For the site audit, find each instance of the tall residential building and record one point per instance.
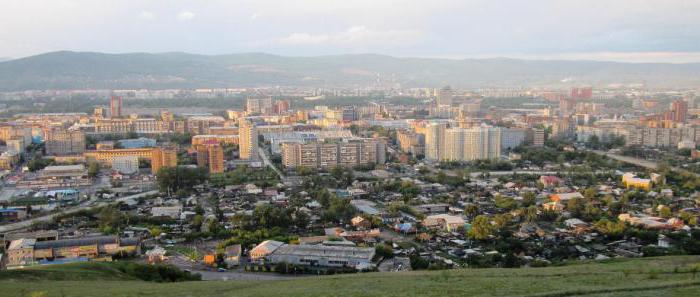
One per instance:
(477, 143)
(258, 105)
(535, 137)
(60, 141)
(98, 112)
(680, 110)
(163, 157)
(166, 116)
(347, 153)
(444, 96)
(512, 138)
(411, 142)
(248, 140)
(434, 140)
(281, 106)
(115, 106)
(211, 155)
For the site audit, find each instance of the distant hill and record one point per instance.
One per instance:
(663, 276)
(87, 70)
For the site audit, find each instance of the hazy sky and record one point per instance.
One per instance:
(623, 30)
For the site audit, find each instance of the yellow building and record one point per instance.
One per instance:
(159, 157)
(629, 180)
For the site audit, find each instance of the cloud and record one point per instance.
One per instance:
(254, 16)
(185, 16)
(147, 15)
(355, 36)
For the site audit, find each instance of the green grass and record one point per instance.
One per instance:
(663, 276)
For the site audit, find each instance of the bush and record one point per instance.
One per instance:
(157, 273)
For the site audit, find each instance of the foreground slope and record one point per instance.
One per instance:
(665, 276)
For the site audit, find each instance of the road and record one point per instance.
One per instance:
(47, 218)
(267, 162)
(638, 162)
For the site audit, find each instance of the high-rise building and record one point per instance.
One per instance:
(512, 138)
(211, 155)
(281, 106)
(680, 110)
(477, 143)
(258, 105)
(434, 140)
(99, 112)
(166, 116)
(115, 106)
(60, 141)
(535, 137)
(581, 93)
(247, 140)
(163, 157)
(411, 142)
(444, 96)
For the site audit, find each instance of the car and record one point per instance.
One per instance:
(221, 270)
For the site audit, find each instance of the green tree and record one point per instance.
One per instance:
(93, 169)
(481, 228)
(529, 199)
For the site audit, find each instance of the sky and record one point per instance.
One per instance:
(611, 30)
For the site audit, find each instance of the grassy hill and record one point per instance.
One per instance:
(664, 276)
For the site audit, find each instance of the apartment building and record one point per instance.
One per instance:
(61, 141)
(347, 153)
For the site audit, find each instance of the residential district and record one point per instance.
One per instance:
(294, 182)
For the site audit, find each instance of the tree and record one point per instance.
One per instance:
(665, 211)
(471, 210)
(529, 199)
(301, 219)
(531, 213)
(93, 169)
(481, 228)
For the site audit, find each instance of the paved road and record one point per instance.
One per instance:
(639, 162)
(267, 162)
(47, 218)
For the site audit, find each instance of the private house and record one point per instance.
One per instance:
(445, 222)
(550, 181)
(232, 255)
(563, 197)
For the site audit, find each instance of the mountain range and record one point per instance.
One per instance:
(90, 70)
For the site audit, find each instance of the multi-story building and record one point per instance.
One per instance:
(159, 156)
(115, 106)
(126, 164)
(258, 105)
(535, 137)
(8, 160)
(140, 142)
(29, 251)
(61, 141)
(347, 153)
(411, 142)
(211, 155)
(680, 110)
(435, 140)
(200, 124)
(248, 140)
(477, 143)
(444, 96)
(163, 157)
(512, 138)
